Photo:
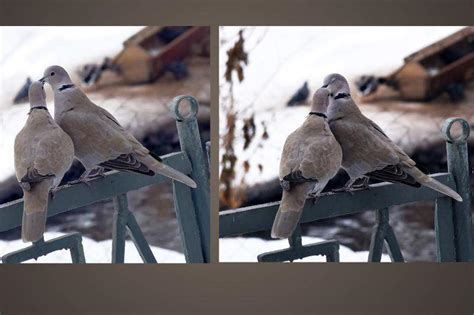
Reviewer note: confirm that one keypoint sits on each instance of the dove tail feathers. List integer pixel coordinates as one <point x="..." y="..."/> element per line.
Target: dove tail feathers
<point x="35" y="211"/>
<point x="290" y="210"/>
<point x="163" y="169"/>
<point x="433" y="183"/>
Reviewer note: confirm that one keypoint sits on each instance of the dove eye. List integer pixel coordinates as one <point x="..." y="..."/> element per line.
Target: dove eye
<point x="52" y="73"/>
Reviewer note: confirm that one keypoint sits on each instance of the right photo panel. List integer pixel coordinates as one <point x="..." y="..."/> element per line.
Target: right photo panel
<point x="345" y="144"/>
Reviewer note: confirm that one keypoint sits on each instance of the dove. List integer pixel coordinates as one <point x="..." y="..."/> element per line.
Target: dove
<point x="99" y="139"/>
<point x="43" y="154"/>
<point x="367" y="150"/>
<point x="311" y="157"/>
<point x="300" y="96"/>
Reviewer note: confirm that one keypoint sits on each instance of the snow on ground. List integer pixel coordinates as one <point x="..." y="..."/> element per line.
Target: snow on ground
<point x="282" y="58"/>
<point x="95" y="252"/>
<point x="240" y="249"/>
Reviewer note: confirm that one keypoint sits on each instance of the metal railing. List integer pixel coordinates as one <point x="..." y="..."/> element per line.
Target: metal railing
<point x="452" y="219"/>
<point x="191" y="205"/>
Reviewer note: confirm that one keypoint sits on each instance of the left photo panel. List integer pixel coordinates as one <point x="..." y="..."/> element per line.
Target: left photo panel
<point x="104" y="144"/>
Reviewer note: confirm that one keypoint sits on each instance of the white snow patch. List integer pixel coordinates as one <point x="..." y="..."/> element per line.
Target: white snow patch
<point x="95" y="252"/>
<point x="243" y="249"/>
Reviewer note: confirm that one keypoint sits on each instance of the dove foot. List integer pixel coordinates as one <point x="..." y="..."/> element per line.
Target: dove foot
<point x="351" y="187"/>
<point x="347" y="187"/>
<point x="362" y="186"/>
<point x="316" y="196"/>
<point x="96" y="172"/>
<point x="52" y="192"/>
<point x="84" y="178"/>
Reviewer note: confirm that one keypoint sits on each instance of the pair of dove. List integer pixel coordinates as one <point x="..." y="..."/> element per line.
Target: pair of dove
<point x="336" y="134"/>
<point x="45" y="147"/>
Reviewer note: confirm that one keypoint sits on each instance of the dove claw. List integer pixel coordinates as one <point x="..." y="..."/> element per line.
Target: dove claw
<point x="53" y="192"/>
<point x="84" y="178"/>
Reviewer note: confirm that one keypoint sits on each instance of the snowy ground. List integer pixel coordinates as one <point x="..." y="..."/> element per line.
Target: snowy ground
<point x="95" y="252"/>
<point x="282" y="58"/>
<point x="240" y="249"/>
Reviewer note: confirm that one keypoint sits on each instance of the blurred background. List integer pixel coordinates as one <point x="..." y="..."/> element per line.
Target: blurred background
<point x="133" y="72"/>
<point x="267" y="78"/>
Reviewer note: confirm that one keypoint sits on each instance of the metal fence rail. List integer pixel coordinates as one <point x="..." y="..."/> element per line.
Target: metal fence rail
<point x="452" y="219"/>
<point x="191" y="205"/>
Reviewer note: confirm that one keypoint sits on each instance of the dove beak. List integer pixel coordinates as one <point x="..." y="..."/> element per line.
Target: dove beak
<point x="42" y="80"/>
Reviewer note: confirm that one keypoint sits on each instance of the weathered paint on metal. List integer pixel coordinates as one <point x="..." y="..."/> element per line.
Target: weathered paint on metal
<point x="74" y="196"/>
<point x="124" y="219"/>
<point x="382" y="233"/>
<point x="444" y="228"/>
<point x="72" y="241"/>
<point x="190" y="142"/>
<point x="119" y="229"/>
<point x="297" y="250"/>
<point x="188" y="224"/>
<point x="260" y="217"/>
<point x="139" y="240"/>
<point x="458" y="166"/>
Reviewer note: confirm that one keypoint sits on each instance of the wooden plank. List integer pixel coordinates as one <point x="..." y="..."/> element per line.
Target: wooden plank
<point x="436" y="47"/>
<point x="260" y="217"/>
<point x="71" y="197"/>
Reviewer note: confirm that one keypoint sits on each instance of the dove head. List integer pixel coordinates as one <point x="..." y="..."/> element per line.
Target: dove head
<point x="320" y="100"/>
<point x="336" y="83"/>
<point x="36" y="95"/>
<point x="341" y="105"/>
<point x="56" y="76"/>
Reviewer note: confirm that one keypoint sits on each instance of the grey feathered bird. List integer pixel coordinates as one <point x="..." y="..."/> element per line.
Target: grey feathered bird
<point x="99" y="140"/>
<point x="300" y="96"/>
<point x="311" y="157"/>
<point x="43" y="154"/>
<point x="367" y="151"/>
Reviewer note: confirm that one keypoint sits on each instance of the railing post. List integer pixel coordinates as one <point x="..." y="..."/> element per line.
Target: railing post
<point x="190" y="142"/>
<point x="445" y="246"/>
<point x="458" y="167"/>
<point x="124" y="219"/>
<point x="384" y="232"/>
<point x="295" y="242"/>
<point x="119" y="229"/>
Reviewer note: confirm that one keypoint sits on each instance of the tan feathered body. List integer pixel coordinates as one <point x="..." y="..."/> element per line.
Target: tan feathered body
<point x="364" y="145"/>
<point x="312" y="150"/>
<point x="43" y="154"/>
<point x="100" y="140"/>
<point x="96" y="134"/>
<point x="367" y="150"/>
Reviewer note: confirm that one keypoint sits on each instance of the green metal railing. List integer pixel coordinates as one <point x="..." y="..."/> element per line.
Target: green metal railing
<point x="452" y="219"/>
<point x="191" y="205"/>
